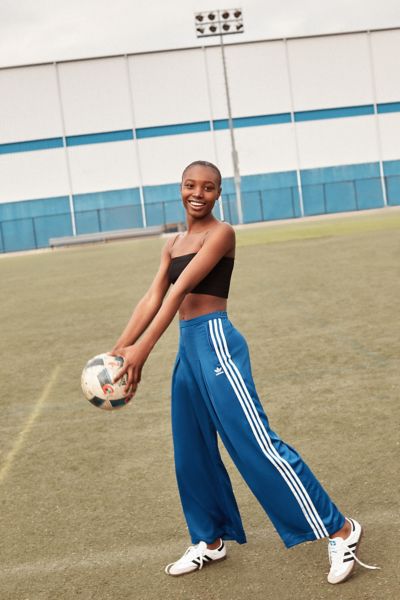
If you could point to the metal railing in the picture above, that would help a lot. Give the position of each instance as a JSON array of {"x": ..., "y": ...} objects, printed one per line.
[{"x": 258, "y": 205}]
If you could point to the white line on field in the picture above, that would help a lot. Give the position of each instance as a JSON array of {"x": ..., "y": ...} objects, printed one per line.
[
  {"x": 133, "y": 555},
  {"x": 19, "y": 442}
]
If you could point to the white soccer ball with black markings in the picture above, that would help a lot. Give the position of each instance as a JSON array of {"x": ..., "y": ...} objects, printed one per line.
[{"x": 98, "y": 382}]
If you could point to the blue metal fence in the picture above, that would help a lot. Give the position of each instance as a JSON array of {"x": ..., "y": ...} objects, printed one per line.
[{"x": 35, "y": 230}]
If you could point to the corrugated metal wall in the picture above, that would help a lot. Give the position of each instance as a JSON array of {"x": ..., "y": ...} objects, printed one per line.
[{"x": 100, "y": 144}]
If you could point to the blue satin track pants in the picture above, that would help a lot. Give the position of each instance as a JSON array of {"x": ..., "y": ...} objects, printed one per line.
[{"x": 213, "y": 392}]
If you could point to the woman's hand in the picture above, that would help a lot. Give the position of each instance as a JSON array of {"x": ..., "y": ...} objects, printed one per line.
[{"x": 134, "y": 358}]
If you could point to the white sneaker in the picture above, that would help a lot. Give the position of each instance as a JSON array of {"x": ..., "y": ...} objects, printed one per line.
[
  {"x": 195, "y": 558},
  {"x": 343, "y": 554}
]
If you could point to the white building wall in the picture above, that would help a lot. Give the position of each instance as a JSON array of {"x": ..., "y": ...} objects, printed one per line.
[
  {"x": 258, "y": 81},
  {"x": 28, "y": 175},
  {"x": 169, "y": 88},
  {"x": 389, "y": 126},
  {"x": 261, "y": 149},
  {"x": 386, "y": 53},
  {"x": 329, "y": 72},
  {"x": 163, "y": 158},
  {"x": 337, "y": 142},
  {"x": 29, "y": 108},
  {"x": 102, "y": 167},
  {"x": 95, "y": 96}
]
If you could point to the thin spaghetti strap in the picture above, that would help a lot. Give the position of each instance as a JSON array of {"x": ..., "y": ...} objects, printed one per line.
[{"x": 175, "y": 238}]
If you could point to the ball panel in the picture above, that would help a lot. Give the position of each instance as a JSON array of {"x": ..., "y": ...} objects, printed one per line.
[
  {"x": 120, "y": 402},
  {"x": 105, "y": 379},
  {"x": 96, "y": 361},
  {"x": 96, "y": 401}
]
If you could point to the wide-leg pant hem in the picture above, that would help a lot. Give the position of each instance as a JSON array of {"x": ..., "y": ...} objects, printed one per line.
[
  {"x": 226, "y": 537},
  {"x": 310, "y": 537}
]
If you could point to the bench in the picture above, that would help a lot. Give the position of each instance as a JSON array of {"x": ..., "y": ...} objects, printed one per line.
[{"x": 120, "y": 234}]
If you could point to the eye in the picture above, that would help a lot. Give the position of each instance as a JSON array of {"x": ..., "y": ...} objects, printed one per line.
[
  {"x": 209, "y": 188},
  {"x": 189, "y": 185}
]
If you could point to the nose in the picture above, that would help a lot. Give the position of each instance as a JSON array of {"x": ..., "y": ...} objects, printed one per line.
[{"x": 197, "y": 192}]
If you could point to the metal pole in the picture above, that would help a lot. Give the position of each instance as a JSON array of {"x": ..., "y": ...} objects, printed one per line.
[
  {"x": 376, "y": 118},
  {"x": 135, "y": 142},
  {"x": 293, "y": 122},
  {"x": 67, "y": 163},
  {"x": 235, "y": 158},
  {"x": 210, "y": 106}
]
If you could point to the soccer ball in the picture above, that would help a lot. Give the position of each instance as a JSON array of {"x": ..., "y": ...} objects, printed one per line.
[{"x": 97, "y": 382}]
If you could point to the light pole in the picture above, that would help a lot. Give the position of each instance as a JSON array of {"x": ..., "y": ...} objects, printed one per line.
[{"x": 219, "y": 23}]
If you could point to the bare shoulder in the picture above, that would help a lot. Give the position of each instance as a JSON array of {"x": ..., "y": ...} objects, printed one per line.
[
  {"x": 225, "y": 231},
  {"x": 167, "y": 248},
  {"x": 222, "y": 237}
]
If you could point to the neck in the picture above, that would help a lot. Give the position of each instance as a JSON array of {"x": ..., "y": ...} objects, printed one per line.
[{"x": 199, "y": 225}]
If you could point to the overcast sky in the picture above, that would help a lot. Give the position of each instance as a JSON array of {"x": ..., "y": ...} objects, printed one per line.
[{"x": 33, "y": 31}]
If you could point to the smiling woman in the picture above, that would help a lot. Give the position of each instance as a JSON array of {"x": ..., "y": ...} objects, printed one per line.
[{"x": 213, "y": 392}]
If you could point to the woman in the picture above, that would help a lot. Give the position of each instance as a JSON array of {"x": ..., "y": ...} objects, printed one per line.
[{"x": 213, "y": 391}]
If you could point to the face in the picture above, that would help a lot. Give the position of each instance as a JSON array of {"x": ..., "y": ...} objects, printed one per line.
[{"x": 200, "y": 190}]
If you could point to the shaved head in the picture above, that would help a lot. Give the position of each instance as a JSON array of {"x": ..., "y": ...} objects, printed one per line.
[{"x": 204, "y": 163}]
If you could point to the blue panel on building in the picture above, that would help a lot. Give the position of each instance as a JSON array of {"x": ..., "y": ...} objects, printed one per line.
[
  {"x": 18, "y": 235},
  {"x": 393, "y": 190},
  {"x": 174, "y": 212},
  {"x": 340, "y": 196},
  {"x": 313, "y": 199},
  {"x": 120, "y": 217},
  {"x": 106, "y": 199},
  {"x": 279, "y": 204},
  {"x": 31, "y": 145},
  {"x": 155, "y": 213},
  {"x": 87, "y": 221},
  {"x": 99, "y": 138},
  {"x": 369, "y": 193},
  {"x": 168, "y": 192},
  {"x": 230, "y": 209},
  {"x": 334, "y": 113},
  {"x": 266, "y": 181},
  {"x": 51, "y": 226},
  {"x": 178, "y": 129},
  {"x": 339, "y": 173},
  {"x": 388, "y": 107},
  {"x": 252, "y": 207},
  {"x": 34, "y": 208},
  {"x": 255, "y": 121},
  {"x": 228, "y": 185},
  {"x": 391, "y": 167}
]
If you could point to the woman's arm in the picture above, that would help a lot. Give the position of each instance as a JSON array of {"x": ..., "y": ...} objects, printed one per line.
[
  {"x": 148, "y": 306},
  {"x": 217, "y": 245}
]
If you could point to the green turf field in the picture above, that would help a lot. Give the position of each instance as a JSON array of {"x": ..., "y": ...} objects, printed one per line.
[{"x": 89, "y": 505}]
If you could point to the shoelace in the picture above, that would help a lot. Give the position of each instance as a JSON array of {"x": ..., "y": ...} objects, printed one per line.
[{"x": 335, "y": 556}]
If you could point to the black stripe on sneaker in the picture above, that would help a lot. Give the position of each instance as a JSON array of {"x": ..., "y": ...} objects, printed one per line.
[
  {"x": 196, "y": 562},
  {"x": 205, "y": 557},
  {"x": 348, "y": 559},
  {"x": 352, "y": 545},
  {"x": 222, "y": 546}
]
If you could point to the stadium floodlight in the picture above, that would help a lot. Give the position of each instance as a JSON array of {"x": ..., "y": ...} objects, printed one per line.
[{"x": 219, "y": 23}]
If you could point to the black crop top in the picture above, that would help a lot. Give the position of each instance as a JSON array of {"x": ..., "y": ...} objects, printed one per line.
[{"x": 216, "y": 283}]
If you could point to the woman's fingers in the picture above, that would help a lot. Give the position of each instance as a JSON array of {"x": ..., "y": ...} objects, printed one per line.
[
  {"x": 129, "y": 382},
  {"x": 120, "y": 373}
]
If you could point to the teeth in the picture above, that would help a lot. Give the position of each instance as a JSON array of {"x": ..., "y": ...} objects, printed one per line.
[{"x": 194, "y": 203}]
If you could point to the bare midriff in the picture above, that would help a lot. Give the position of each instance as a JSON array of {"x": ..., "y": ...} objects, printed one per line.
[{"x": 196, "y": 305}]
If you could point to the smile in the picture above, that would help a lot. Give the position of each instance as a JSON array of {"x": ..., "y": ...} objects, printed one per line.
[{"x": 196, "y": 203}]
